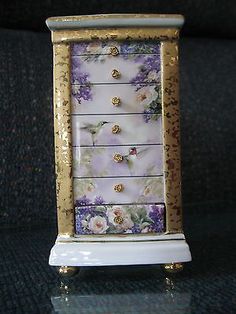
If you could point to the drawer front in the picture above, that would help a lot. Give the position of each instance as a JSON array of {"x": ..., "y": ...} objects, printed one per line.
[
  {"x": 114, "y": 48},
  {"x": 100, "y": 99},
  {"x": 133, "y": 129},
  {"x": 115, "y": 219},
  {"x": 129, "y": 69},
  {"x": 118, "y": 161},
  {"x": 119, "y": 190}
]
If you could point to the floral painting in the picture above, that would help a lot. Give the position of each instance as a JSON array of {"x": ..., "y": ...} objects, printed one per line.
[
  {"x": 137, "y": 190},
  {"x": 96, "y": 48},
  {"x": 98, "y": 218},
  {"x": 146, "y": 55},
  {"x": 136, "y": 161}
]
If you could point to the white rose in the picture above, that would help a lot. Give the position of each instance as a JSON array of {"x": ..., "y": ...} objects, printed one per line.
[
  {"x": 98, "y": 224},
  {"x": 120, "y": 218},
  {"x": 146, "y": 95},
  {"x": 94, "y": 48},
  {"x": 84, "y": 223}
]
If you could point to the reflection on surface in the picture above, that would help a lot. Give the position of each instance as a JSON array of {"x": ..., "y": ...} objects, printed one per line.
[{"x": 134, "y": 289}]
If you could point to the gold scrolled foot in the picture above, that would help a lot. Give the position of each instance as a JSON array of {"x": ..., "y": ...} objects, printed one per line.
[
  {"x": 67, "y": 271},
  {"x": 173, "y": 268}
]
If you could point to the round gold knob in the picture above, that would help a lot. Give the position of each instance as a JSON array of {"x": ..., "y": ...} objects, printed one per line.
[
  {"x": 118, "y": 157},
  {"x": 118, "y": 220},
  {"x": 114, "y": 51},
  {"x": 116, "y": 101},
  {"x": 116, "y": 129},
  {"x": 115, "y": 74},
  {"x": 119, "y": 188}
]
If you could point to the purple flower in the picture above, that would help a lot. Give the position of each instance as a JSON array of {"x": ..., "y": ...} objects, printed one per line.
[
  {"x": 157, "y": 215},
  {"x": 98, "y": 200},
  {"x": 134, "y": 48},
  {"x": 78, "y": 49},
  {"x": 147, "y": 114},
  {"x": 136, "y": 229},
  {"x": 82, "y": 201}
]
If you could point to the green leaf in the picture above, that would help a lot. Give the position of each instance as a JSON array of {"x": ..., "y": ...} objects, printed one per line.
[{"x": 144, "y": 225}]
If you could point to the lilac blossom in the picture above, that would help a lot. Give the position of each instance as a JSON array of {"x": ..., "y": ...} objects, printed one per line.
[
  {"x": 157, "y": 215},
  {"x": 82, "y": 201},
  {"x": 98, "y": 200}
]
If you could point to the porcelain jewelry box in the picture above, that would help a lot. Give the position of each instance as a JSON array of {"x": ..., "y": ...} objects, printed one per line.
[{"x": 117, "y": 141}]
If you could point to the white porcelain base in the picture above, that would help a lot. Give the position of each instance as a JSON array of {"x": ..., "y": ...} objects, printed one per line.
[{"x": 74, "y": 252}]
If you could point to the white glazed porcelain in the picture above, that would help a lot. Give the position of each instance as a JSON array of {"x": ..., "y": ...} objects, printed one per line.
[{"x": 103, "y": 253}]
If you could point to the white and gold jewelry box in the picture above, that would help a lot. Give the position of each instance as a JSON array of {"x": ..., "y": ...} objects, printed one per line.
[{"x": 117, "y": 141}]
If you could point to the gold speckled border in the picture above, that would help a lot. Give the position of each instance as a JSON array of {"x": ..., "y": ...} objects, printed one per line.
[
  {"x": 171, "y": 133},
  {"x": 145, "y": 33},
  {"x": 63, "y": 142}
]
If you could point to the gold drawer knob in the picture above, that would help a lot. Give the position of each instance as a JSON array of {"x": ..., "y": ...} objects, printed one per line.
[
  {"x": 118, "y": 220},
  {"x": 115, "y": 74},
  {"x": 114, "y": 51},
  {"x": 118, "y": 157},
  {"x": 119, "y": 188},
  {"x": 116, "y": 101},
  {"x": 116, "y": 129}
]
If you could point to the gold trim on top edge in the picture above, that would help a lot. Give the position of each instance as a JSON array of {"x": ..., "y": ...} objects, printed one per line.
[
  {"x": 62, "y": 134},
  {"x": 145, "y": 33},
  {"x": 171, "y": 135},
  {"x": 111, "y": 16}
]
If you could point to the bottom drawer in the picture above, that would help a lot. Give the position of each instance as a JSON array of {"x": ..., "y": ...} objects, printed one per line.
[{"x": 120, "y": 219}]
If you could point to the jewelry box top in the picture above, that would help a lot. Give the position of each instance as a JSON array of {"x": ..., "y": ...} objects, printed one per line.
[{"x": 115, "y": 20}]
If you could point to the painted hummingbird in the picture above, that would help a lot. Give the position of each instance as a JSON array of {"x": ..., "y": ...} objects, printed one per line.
[{"x": 94, "y": 129}]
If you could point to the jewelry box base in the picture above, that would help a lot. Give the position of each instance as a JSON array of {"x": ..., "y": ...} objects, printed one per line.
[{"x": 79, "y": 251}]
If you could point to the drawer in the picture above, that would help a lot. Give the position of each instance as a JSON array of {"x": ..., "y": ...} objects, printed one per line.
[
  {"x": 92, "y": 130},
  {"x": 115, "y": 99},
  {"x": 119, "y": 190},
  {"x": 118, "y": 161},
  {"x": 114, "y": 48},
  {"x": 133, "y": 68},
  {"x": 113, "y": 219}
]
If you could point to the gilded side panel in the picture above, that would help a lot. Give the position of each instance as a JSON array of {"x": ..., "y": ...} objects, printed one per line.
[
  {"x": 134, "y": 33},
  {"x": 63, "y": 146},
  {"x": 171, "y": 128}
]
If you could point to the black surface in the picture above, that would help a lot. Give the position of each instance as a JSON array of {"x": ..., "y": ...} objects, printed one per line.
[
  {"x": 207, "y": 285},
  {"x": 214, "y": 18},
  {"x": 27, "y": 154}
]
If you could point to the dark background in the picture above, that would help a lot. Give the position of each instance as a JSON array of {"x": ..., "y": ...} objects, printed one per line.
[{"x": 208, "y": 104}]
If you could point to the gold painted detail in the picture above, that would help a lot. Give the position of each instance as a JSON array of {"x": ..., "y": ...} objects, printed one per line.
[
  {"x": 173, "y": 267},
  {"x": 118, "y": 220},
  {"x": 67, "y": 271},
  {"x": 122, "y": 33},
  {"x": 119, "y": 188},
  {"x": 115, "y": 74},
  {"x": 114, "y": 51},
  {"x": 171, "y": 133},
  {"x": 118, "y": 158},
  {"x": 116, "y": 129},
  {"x": 63, "y": 141},
  {"x": 116, "y": 101}
]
